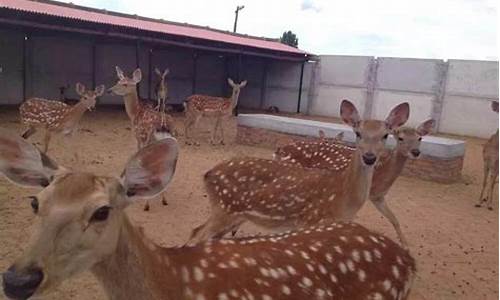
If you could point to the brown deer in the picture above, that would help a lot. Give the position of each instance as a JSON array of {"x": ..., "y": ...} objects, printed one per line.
[
  {"x": 490, "y": 162},
  {"x": 277, "y": 194},
  {"x": 149, "y": 125},
  {"x": 56, "y": 117},
  {"x": 82, "y": 225},
  {"x": 217, "y": 108},
  {"x": 161, "y": 90},
  {"x": 327, "y": 155}
]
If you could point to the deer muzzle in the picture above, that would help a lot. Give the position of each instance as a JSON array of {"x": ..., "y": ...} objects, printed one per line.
[{"x": 21, "y": 285}]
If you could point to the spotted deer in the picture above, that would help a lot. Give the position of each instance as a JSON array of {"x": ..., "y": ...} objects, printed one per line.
[
  {"x": 490, "y": 167},
  {"x": 56, "y": 117},
  {"x": 81, "y": 225},
  {"x": 329, "y": 155},
  {"x": 217, "y": 108},
  {"x": 280, "y": 195},
  {"x": 149, "y": 125},
  {"x": 161, "y": 90}
]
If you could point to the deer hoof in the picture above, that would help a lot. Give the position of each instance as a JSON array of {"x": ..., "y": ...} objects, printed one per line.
[
  {"x": 164, "y": 202},
  {"x": 146, "y": 207}
]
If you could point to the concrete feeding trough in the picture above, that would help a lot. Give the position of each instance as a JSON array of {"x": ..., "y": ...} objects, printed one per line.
[{"x": 441, "y": 160}]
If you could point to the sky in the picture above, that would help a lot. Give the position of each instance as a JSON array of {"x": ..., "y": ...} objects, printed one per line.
[{"x": 445, "y": 29}]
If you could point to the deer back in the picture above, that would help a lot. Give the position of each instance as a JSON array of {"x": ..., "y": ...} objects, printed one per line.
[
  {"x": 42, "y": 112},
  {"x": 333, "y": 261},
  {"x": 273, "y": 190}
]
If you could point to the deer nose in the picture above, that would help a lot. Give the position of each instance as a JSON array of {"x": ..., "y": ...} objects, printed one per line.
[
  {"x": 415, "y": 152},
  {"x": 369, "y": 158},
  {"x": 21, "y": 285}
]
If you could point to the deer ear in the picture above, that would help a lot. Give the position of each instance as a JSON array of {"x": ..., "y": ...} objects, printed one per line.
[
  {"x": 157, "y": 72},
  {"x": 80, "y": 89},
  {"x": 137, "y": 75},
  {"x": 150, "y": 170},
  {"x": 22, "y": 163},
  {"x": 349, "y": 113},
  {"x": 494, "y": 106},
  {"x": 339, "y": 136},
  {"x": 321, "y": 134},
  {"x": 99, "y": 90},
  {"x": 398, "y": 116},
  {"x": 119, "y": 73},
  {"x": 426, "y": 127},
  {"x": 165, "y": 73},
  {"x": 243, "y": 83},
  {"x": 231, "y": 82}
]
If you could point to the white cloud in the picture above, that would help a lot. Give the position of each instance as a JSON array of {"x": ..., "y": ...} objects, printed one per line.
[{"x": 426, "y": 28}]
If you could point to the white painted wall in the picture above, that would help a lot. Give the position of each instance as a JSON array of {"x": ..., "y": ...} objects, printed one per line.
[{"x": 457, "y": 93}]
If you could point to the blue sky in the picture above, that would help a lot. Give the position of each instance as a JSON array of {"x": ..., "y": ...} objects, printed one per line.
[{"x": 463, "y": 29}]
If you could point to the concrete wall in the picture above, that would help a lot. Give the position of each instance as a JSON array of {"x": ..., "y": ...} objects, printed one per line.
[
  {"x": 11, "y": 61},
  {"x": 456, "y": 93}
]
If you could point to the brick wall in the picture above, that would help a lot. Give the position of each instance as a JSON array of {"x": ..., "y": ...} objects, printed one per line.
[{"x": 426, "y": 167}]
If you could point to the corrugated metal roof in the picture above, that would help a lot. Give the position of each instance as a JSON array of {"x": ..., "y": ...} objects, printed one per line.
[{"x": 90, "y": 15}]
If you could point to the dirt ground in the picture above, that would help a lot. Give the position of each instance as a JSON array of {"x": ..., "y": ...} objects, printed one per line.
[{"x": 455, "y": 244}]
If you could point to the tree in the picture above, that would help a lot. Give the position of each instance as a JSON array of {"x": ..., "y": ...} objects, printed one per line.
[{"x": 290, "y": 39}]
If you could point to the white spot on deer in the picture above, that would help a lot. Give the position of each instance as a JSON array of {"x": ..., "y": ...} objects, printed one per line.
[
  {"x": 355, "y": 255},
  {"x": 286, "y": 290},
  {"x": 395, "y": 272},
  {"x": 329, "y": 257},
  {"x": 377, "y": 253},
  {"x": 222, "y": 296},
  {"x": 233, "y": 264},
  {"x": 266, "y": 297},
  {"x": 304, "y": 255},
  {"x": 338, "y": 249},
  {"x": 291, "y": 270},
  {"x": 350, "y": 265},
  {"x": 342, "y": 267},
  {"x": 264, "y": 272},
  {"x": 306, "y": 281},
  {"x": 399, "y": 260},
  {"x": 367, "y": 255},
  {"x": 185, "y": 274},
  {"x": 198, "y": 274},
  {"x": 333, "y": 278},
  {"x": 200, "y": 297},
  {"x": 387, "y": 284},
  {"x": 310, "y": 267}
]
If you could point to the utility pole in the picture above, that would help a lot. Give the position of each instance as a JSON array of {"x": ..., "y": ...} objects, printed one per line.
[{"x": 238, "y": 8}]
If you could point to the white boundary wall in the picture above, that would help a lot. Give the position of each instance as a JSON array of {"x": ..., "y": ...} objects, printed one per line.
[{"x": 456, "y": 93}]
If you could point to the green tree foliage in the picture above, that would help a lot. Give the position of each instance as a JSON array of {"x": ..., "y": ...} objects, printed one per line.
[{"x": 289, "y": 38}]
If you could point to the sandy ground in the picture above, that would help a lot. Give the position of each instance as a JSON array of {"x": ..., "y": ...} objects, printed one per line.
[{"x": 455, "y": 244}]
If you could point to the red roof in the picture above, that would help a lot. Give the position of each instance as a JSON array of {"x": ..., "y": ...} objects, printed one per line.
[{"x": 66, "y": 11}]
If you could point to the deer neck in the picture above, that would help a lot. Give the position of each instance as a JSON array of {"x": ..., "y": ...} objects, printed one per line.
[
  {"x": 358, "y": 183},
  {"x": 138, "y": 269},
  {"x": 387, "y": 173},
  {"x": 74, "y": 114},
  {"x": 132, "y": 104},
  {"x": 234, "y": 100}
]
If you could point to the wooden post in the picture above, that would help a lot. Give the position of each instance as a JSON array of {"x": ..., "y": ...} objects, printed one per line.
[{"x": 195, "y": 59}]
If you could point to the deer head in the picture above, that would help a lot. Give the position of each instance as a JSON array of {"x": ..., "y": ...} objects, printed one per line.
[
  {"x": 236, "y": 89},
  {"x": 408, "y": 139},
  {"x": 126, "y": 85},
  {"x": 79, "y": 214},
  {"x": 88, "y": 97},
  {"x": 371, "y": 135}
]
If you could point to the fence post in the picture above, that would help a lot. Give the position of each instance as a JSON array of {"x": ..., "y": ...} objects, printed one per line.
[
  {"x": 370, "y": 88},
  {"x": 437, "y": 103}
]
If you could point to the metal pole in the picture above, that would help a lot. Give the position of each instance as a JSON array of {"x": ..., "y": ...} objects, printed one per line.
[
  {"x": 150, "y": 58},
  {"x": 238, "y": 8},
  {"x": 300, "y": 85},
  {"x": 195, "y": 58},
  {"x": 25, "y": 75},
  {"x": 137, "y": 66}
]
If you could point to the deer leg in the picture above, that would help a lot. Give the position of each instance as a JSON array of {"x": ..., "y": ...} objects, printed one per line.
[
  {"x": 214, "y": 131},
  {"x": 485, "y": 180},
  {"x": 493, "y": 179},
  {"x": 46, "y": 141},
  {"x": 382, "y": 207},
  {"x": 221, "y": 126},
  {"x": 146, "y": 205},
  {"x": 188, "y": 124},
  {"x": 29, "y": 132},
  {"x": 163, "y": 200}
]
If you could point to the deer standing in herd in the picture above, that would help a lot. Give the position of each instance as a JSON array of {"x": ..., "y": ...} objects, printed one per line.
[
  {"x": 277, "y": 194},
  {"x": 148, "y": 124},
  {"x": 56, "y": 117},
  {"x": 82, "y": 226},
  {"x": 161, "y": 89},
  {"x": 216, "y": 108},
  {"x": 324, "y": 154},
  {"x": 490, "y": 165}
]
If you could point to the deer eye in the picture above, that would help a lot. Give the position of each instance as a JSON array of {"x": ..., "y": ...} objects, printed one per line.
[
  {"x": 386, "y": 136},
  {"x": 34, "y": 204},
  {"x": 420, "y": 138},
  {"x": 358, "y": 135},
  {"x": 400, "y": 139},
  {"x": 101, "y": 214}
]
